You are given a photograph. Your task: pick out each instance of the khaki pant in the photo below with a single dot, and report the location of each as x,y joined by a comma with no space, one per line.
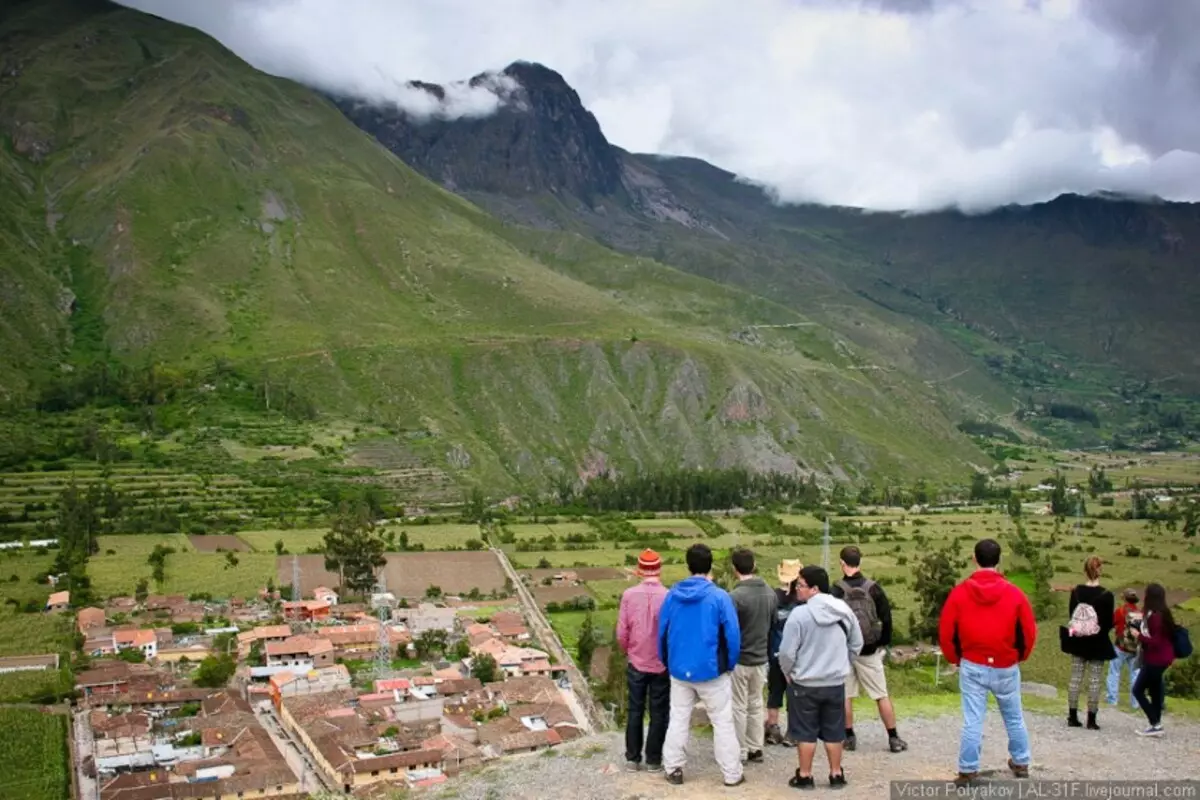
867,672
717,696
748,712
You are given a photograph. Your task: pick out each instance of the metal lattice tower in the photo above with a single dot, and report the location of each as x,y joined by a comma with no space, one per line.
383,653
295,579
825,545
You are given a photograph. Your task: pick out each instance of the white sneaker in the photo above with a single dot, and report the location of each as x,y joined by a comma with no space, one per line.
1153,730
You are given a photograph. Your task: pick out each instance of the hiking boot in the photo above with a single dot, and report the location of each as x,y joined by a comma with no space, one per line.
851,743
1018,770
633,766
653,767
738,782
675,777
896,744
755,756
798,781
1073,719
965,779
838,781
772,735
1091,723
1153,730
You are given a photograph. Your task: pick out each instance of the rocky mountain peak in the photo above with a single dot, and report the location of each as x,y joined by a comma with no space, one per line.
540,139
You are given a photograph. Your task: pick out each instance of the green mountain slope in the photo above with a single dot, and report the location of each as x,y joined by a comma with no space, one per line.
173,205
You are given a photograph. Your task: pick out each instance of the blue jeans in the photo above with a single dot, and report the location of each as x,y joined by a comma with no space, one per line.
1115,666
975,682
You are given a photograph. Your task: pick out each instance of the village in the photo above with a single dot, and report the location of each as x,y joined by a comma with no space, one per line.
270,697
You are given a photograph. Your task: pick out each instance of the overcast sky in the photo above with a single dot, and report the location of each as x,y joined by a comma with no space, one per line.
884,104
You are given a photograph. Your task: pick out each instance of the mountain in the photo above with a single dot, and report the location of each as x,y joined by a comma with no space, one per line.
1080,299
166,204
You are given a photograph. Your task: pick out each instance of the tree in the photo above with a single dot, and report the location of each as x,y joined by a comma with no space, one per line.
1014,505
462,649
403,540
430,642
935,574
133,655
279,550
585,648
215,671
433,592
483,668
1041,570
1098,482
474,544
979,486
354,548
475,507
231,559
1060,505
141,590
1191,519
158,563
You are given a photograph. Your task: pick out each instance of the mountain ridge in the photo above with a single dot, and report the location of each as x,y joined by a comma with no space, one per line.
1102,281
174,210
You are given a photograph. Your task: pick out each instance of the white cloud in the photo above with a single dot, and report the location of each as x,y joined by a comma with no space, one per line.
885,104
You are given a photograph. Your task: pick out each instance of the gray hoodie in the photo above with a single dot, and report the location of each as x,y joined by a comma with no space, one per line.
819,638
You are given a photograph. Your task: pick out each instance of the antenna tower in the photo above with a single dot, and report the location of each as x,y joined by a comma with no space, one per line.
383,610
825,545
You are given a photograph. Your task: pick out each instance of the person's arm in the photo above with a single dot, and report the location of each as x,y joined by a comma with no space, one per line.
733,629
624,623
1118,620
854,636
664,624
1074,602
883,610
1105,612
789,645
1026,627
948,628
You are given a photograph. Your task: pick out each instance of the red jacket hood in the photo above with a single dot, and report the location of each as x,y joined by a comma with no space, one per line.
986,587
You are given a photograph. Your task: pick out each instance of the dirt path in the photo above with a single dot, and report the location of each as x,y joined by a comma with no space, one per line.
592,769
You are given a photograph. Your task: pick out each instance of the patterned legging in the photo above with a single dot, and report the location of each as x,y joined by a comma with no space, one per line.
1094,670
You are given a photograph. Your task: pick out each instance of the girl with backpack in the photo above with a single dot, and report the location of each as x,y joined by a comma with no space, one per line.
1086,640
1157,637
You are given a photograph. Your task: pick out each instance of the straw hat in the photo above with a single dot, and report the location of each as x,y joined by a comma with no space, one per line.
789,570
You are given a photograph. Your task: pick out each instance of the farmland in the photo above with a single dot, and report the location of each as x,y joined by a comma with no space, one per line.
34,760
409,574
35,634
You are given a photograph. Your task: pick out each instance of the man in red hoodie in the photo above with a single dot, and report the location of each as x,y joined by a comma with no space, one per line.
987,628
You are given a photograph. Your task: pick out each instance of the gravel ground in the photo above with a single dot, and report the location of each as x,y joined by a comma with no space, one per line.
593,768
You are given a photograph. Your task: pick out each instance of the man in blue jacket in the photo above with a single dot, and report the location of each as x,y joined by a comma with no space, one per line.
699,641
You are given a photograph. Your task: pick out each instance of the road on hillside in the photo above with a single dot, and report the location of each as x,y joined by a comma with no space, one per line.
592,718
81,725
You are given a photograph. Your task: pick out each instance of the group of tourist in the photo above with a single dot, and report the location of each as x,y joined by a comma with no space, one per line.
815,642
1144,641
819,644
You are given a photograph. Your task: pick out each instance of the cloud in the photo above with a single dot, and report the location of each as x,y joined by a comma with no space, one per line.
883,104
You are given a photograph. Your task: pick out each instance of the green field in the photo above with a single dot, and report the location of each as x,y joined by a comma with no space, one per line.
35,634
186,573
34,761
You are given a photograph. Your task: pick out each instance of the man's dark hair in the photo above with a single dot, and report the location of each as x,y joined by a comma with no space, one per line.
699,559
987,553
851,556
815,578
743,561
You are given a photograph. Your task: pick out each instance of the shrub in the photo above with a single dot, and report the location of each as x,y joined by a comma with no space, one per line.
1133,551
1183,678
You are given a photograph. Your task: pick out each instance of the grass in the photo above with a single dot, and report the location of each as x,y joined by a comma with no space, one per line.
186,573
33,755
432,537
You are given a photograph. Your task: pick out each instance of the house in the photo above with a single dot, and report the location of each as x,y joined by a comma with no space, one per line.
478,633
317,681
324,593
59,601
144,640
110,677
311,651
265,635
458,755
89,618
307,610
513,632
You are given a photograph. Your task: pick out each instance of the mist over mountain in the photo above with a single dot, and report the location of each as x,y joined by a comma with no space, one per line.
871,103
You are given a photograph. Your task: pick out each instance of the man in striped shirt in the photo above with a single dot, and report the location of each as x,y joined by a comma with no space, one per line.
649,684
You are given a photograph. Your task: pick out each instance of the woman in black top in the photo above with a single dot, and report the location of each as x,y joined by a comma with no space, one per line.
1089,654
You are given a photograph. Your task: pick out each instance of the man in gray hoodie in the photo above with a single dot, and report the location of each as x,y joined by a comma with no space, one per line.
755,602
819,639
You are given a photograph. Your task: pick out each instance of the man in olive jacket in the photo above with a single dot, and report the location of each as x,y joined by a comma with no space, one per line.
755,602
